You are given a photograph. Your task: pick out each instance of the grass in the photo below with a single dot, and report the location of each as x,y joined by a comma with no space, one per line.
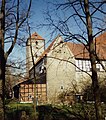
14,110
50,112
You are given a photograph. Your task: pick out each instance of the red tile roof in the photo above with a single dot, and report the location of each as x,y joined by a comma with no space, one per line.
79,50
101,39
101,45
36,36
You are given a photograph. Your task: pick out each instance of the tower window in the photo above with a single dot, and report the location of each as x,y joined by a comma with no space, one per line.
36,42
36,55
61,87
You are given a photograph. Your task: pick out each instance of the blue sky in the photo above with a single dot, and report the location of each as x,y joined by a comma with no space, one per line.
37,17
38,9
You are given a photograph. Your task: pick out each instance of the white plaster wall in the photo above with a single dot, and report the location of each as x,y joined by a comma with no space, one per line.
62,74
60,71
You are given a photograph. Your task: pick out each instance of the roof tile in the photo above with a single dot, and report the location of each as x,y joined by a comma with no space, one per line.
36,36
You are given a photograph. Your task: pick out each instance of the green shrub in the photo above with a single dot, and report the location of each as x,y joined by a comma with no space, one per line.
14,110
79,111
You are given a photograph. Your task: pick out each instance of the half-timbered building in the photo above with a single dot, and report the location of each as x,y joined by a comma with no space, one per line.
62,66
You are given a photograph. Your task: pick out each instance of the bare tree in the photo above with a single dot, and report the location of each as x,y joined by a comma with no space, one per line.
81,21
13,16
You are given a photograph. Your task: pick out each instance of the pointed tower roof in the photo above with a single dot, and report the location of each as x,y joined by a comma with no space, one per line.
36,36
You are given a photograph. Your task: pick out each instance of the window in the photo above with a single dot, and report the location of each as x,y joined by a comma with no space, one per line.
36,55
42,69
36,42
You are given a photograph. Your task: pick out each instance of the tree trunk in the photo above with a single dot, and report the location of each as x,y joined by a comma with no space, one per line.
33,62
2,83
95,83
2,59
92,53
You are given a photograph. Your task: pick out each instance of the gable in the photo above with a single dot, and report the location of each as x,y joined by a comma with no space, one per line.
56,42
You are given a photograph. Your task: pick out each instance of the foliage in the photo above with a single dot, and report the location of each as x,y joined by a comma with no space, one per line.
83,111
14,110
49,112
79,111
67,97
88,93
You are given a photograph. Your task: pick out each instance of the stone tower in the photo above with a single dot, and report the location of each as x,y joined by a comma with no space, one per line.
37,44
